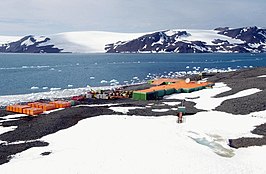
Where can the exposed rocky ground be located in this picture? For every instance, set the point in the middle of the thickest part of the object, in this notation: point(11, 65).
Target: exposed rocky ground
point(252, 39)
point(239, 81)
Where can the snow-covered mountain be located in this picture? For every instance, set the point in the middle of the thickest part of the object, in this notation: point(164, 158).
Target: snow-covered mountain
point(240, 40)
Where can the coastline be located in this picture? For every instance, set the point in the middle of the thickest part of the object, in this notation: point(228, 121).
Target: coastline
point(29, 130)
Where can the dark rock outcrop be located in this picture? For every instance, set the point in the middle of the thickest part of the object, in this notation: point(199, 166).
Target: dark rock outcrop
point(248, 40)
point(29, 44)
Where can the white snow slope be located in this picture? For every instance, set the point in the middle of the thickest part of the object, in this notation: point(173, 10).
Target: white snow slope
point(95, 41)
point(89, 41)
point(8, 39)
point(151, 145)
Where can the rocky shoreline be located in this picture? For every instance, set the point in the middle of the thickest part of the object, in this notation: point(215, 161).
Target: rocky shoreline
point(30, 129)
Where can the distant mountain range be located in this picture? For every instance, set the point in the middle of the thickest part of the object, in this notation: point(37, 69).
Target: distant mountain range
point(222, 40)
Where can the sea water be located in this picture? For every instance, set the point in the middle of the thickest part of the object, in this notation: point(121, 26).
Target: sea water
point(35, 73)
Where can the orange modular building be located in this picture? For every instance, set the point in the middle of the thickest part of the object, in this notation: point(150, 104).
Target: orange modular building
point(44, 106)
point(61, 104)
point(36, 108)
point(32, 111)
point(173, 86)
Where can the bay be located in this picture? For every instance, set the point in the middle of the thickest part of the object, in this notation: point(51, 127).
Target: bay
point(33, 73)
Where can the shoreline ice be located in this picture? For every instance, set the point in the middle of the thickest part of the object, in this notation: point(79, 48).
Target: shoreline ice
point(57, 92)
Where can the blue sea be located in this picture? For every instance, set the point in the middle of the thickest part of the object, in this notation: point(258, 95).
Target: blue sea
point(34, 73)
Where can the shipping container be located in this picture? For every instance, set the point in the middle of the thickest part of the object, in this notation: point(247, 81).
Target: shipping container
point(139, 95)
point(61, 104)
point(169, 91)
point(47, 107)
point(19, 108)
point(144, 95)
point(9, 108)
point(173, 86)
point(178, 91)
point(160, 93)
point(33, 111)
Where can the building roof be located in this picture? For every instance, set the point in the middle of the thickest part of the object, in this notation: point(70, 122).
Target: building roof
point(164, 80)
point(180, 84)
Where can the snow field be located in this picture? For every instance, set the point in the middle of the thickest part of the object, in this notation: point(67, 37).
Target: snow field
point(89, 41)
point(121, 144)
point(8, 39)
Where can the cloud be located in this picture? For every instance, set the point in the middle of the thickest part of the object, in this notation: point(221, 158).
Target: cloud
point(52, 16)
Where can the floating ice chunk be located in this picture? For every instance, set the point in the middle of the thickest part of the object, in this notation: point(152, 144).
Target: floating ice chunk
point(34, 88)
point(60, 70)
point(77, 64)
point(92, 78)
point(135, 78)
point(45, 87)
point(104, 81)
point(55, 89)
point(70, 86)
point(113, 81)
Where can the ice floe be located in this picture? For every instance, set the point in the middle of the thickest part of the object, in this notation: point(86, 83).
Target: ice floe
point(34, 88)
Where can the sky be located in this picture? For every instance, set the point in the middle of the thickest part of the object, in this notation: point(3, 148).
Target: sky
point(43, 17)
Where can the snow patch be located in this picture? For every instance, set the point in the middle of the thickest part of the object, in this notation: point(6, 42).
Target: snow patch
point(124, 110)
point(6, 129)
point(160, 110)
point(172, 103)
point(209, 102)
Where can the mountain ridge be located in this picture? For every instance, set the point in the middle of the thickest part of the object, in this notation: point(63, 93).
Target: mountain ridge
point(221, 40)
